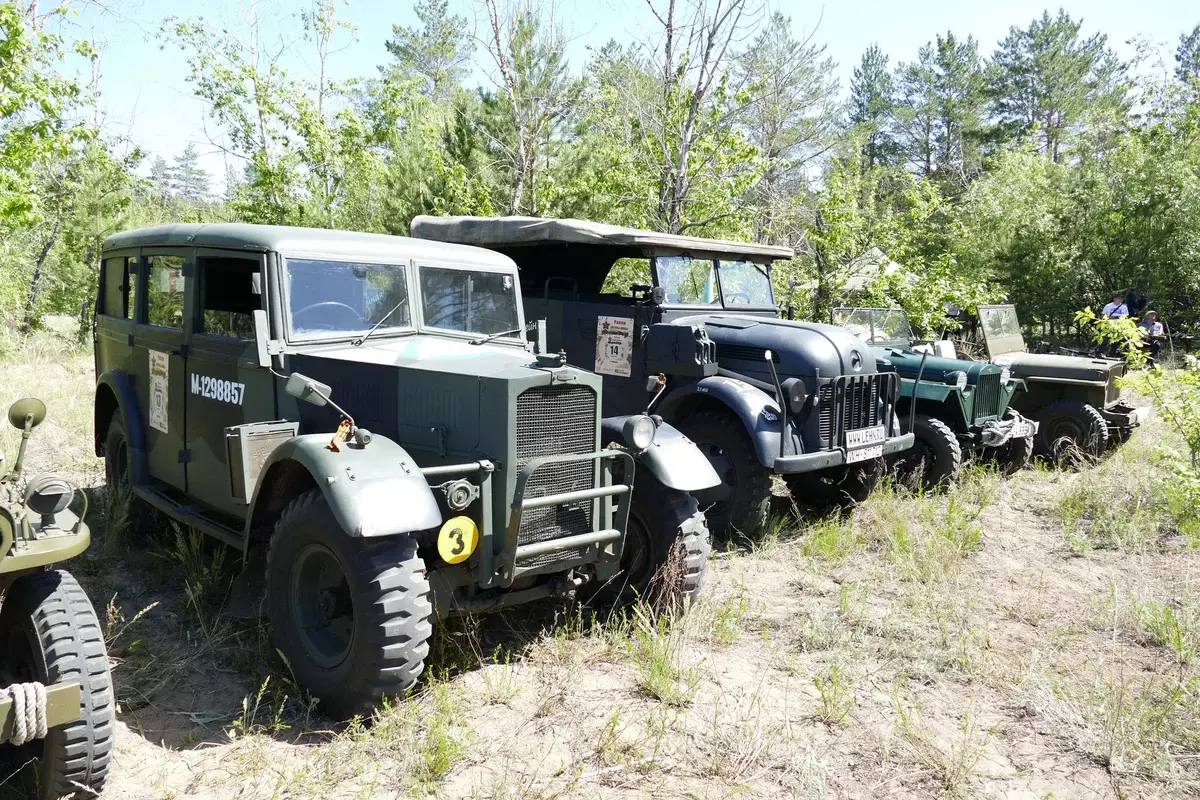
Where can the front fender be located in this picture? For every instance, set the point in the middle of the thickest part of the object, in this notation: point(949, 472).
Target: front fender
point(928, 390)
point(127, 405)
point(673, 458)
point(754, 408)
point(376, 490)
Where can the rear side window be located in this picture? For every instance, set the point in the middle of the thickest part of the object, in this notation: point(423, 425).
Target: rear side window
point(165, 288)
point(120, 287)
point(231, 290)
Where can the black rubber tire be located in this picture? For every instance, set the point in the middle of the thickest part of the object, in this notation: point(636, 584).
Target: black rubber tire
point(49, 633)
point(1012, 456)
point(142, 516)
point(391, 613)
point(665, 559)
point(935, 459)
point(1074, 421)
point(741, 503)
point(836, 487)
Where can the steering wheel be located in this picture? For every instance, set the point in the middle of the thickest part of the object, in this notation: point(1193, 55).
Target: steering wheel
point(359, 321)
point(733, 297)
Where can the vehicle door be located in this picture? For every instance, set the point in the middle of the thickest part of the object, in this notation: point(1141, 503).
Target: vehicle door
point(159, 359)
point(116, 318)
point(225, 385)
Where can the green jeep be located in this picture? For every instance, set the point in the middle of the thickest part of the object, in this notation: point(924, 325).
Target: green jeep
point(950, 405)
point(1075, 400)
point(362, 416)
point(56, 697)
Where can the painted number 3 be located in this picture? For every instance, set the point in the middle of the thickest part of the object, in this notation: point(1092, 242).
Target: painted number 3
point(216, 389)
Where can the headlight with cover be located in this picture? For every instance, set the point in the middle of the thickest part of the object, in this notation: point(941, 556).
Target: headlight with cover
point(957, 379)
point(638, 432)
point(1005, 375)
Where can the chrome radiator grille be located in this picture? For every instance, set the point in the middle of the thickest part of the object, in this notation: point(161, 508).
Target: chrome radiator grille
point(852, 401)
point(552, 421)
point(987, 396)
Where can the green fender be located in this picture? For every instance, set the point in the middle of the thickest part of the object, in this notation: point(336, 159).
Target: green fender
point(373, 490)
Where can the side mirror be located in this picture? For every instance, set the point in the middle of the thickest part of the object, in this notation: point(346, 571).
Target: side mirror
point(29, 408)
point(262, 332)
point(651, 383)
point(658, 295)
point(305, 388)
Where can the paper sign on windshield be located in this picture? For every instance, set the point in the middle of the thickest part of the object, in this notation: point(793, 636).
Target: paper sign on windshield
point(614, 346)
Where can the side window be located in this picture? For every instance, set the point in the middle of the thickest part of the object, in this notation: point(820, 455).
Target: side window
point(165, 286)
point(114, 286)
point(130, 289)
point(231, 289)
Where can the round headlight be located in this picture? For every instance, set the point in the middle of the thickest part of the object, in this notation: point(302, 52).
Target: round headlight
point(638, 432)
point(957, 379)
point(48, 494)
point(795, 394)
point(1005, 375)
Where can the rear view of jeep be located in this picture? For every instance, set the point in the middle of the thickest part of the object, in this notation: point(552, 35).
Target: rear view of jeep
point(760, 395)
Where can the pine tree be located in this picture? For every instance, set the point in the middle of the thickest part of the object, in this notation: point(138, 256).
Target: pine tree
point(188, 179)
point(871, 106)
point(161, 177)
point(1187, 56)
point(438, 51)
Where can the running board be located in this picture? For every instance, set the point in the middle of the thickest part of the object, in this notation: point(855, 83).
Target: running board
point(192, 516)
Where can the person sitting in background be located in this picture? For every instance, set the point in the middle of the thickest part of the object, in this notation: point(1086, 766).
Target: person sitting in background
point(1114, 310)
point(1152, 334)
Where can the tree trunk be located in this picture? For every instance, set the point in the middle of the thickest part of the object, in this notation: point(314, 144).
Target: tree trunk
point(36, 281)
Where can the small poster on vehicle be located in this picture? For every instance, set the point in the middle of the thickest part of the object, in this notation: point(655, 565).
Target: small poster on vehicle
point(614, 346)
point(158, 390)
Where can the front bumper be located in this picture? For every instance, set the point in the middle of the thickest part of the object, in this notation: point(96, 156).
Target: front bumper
point(1124, 416)
point(1000, 432)
point(835, 457)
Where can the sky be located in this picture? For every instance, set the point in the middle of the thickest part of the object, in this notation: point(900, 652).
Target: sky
point(145, 95)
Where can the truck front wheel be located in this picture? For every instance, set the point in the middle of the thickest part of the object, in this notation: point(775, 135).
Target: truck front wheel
point(739, 503)
point(352, 617)
point(665, 558)
point(1065, 425)
point(935, 459)
point(49, 633)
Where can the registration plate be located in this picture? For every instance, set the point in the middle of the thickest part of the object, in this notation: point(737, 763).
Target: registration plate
point(1021, 430)
point(863, 444)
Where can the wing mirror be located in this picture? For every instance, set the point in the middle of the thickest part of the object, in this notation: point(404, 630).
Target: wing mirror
point(262, 333)
point(305, 388)
point(28, 411)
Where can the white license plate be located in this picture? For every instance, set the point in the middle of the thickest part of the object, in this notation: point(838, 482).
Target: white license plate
point(862, 437)
point(1021, 430)
point(864, 453)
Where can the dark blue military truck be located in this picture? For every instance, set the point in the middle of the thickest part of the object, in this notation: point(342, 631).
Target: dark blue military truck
point(801, 400)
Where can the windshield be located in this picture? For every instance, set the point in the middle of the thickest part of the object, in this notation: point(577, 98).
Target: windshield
point(687, 280)
point(745, 283)
point(999, 323)
point(878, 326)
point(345, 298)
point(469, 301)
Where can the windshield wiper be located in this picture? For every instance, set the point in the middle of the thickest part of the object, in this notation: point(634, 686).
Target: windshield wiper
point(383, 319)
point(490, 336)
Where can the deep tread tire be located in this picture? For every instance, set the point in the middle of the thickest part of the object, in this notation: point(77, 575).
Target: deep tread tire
point(1073, 420)
point(665, 559)
point(935, 459)
point(1012, 456)
point(66, 643)
point(392, 610)
point(836, 487)
point(745, 510)
point(142, 517)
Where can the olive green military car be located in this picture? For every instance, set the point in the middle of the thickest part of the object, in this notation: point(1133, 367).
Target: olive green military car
point(56, 697)
point(363, 417)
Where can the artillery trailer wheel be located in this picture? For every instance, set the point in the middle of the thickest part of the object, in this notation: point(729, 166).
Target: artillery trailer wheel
point(739, 503)
point(935, 459)
point(836, 487)
point(1012, 456)
point(142, 517)
point(665, 558)
point(49, 633)
point(352, 617)
point(1067, 425)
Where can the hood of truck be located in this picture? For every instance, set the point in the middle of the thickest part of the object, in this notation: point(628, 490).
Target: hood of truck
point(908, 363)
point(798, 348)
point(1052, 365)
point(432, 354)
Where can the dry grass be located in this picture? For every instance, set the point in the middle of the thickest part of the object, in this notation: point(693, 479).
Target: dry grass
point(1031, 636)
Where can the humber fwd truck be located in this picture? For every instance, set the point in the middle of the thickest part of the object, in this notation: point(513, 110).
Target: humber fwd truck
point(800, 400)
point(362, 416)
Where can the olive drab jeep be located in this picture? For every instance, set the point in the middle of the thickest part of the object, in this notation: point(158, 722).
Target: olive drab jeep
point(56, 696)
point(363, 417)
point(951, 406)
point(1075, 400)
point(760, 395)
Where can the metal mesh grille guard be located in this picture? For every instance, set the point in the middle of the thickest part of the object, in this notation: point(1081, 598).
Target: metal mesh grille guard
point(856, 401)
point(552, 421)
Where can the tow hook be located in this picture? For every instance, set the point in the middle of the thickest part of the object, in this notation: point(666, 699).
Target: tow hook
point(568, 583)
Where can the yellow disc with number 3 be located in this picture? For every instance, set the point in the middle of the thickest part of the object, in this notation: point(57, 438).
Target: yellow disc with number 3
point(457, 539)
